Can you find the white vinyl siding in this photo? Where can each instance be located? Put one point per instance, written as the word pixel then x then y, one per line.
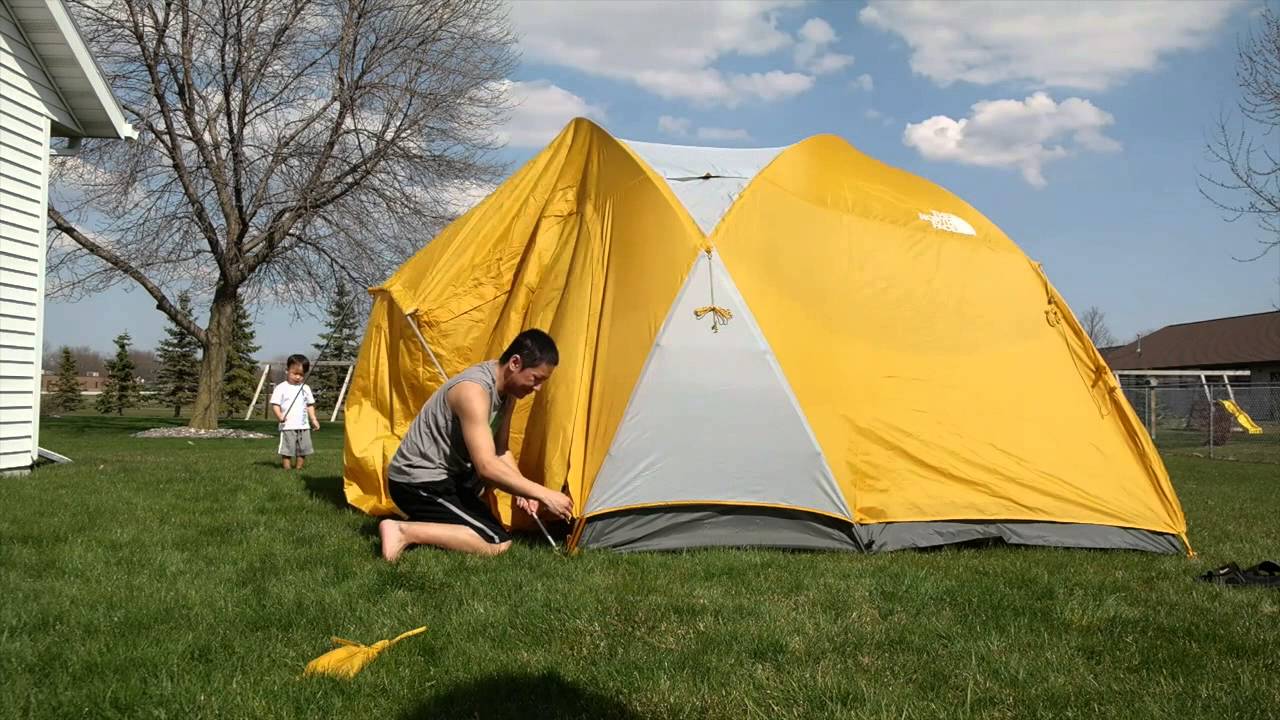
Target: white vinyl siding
pixel 22 76
pixel 28 103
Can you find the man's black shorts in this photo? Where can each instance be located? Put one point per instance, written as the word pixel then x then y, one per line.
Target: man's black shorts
pixel 433 503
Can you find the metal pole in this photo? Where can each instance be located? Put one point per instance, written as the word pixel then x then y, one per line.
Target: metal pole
pixel 1211 414
pixel 248 412
pixel 342 394
pixel 266 405
pixel 1151 409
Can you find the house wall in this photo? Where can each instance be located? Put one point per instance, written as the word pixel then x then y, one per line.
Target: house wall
pixel 88 383
pixel 1265 373
pixel 28 103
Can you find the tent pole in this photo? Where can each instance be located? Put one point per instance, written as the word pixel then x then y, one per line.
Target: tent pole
pixel 413 324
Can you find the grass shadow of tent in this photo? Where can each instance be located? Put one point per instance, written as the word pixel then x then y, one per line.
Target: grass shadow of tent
pixel 544 695
pixel 327 488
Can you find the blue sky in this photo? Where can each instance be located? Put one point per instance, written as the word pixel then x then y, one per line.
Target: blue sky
pixel 1078 128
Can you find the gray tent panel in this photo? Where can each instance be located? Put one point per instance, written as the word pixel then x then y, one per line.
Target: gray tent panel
pixel 707 181
pixel 712 419
pixel 886 537
pixel 678 528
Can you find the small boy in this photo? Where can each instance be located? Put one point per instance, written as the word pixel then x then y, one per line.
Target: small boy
pixel 294 398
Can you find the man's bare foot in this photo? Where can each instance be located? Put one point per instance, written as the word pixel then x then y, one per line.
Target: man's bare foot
pixel 392 540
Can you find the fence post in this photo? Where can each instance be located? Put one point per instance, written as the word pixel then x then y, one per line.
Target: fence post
pixel 1211 415
pixel 1151 407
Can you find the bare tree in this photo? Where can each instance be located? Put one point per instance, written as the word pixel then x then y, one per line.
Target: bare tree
pixel 1250 155
pixel 85 359
pixel 1095 325
pixel 285 146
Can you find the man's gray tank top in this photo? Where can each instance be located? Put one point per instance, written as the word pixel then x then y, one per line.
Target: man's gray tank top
pixel 433 450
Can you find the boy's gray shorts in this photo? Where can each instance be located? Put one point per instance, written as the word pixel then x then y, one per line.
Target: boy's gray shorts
pixel 295 443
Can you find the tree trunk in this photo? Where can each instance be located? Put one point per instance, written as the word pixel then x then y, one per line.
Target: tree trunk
pixel 177 410
pixel 213 363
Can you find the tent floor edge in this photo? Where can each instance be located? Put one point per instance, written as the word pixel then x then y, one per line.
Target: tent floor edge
pixel 892 536
pixel 686 527
pixel 690 527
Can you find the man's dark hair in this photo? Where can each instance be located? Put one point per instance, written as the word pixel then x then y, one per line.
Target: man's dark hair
pixel 534 348
pixel 298 360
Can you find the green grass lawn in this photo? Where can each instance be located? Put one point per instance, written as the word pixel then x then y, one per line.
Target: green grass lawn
pixel 194 579
pixel 1240 446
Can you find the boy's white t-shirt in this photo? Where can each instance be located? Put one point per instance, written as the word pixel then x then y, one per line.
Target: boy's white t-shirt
pixel 284 395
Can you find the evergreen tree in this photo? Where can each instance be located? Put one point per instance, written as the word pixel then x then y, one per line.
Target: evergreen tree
pixel 240 379
pixel 120 391
pixel 340 341
pixel 66 395
pixel 179 376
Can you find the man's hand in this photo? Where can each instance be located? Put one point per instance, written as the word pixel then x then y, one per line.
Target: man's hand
pixel 528 505
pixel 558 504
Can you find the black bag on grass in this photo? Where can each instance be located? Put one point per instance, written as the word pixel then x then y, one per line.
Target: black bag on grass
pixel 1264 574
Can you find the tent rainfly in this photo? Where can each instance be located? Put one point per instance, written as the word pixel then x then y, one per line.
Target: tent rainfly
pixel 793 347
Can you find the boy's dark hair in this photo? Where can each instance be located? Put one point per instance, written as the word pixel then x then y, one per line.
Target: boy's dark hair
pixel 296 359
pixel 534 347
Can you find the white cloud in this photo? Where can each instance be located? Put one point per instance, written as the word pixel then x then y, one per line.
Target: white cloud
pixel 669 48
pixel 830 62
pixel 460 197
pixel 1025 134
pixel 673 125
pixel 876 115
pixel 863 82
pixel 541 111
pixel 723 134
pixel 773 85
pixel 815 35
pixel 682 127
pixel 817 32
pixel 1085 45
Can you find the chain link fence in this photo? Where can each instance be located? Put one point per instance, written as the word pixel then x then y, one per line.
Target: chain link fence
pixel 1224 421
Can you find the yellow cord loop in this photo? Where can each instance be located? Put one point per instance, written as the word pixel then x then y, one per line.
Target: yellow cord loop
pixel 719 315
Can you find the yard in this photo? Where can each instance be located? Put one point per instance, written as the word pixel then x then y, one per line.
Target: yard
pixel 195 579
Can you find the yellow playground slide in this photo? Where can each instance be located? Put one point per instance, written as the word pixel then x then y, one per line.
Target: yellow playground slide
pixel 1241 417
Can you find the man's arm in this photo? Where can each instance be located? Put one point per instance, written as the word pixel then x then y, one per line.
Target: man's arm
pixel 471 403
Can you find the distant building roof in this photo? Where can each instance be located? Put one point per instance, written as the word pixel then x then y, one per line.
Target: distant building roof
pixel 1231 341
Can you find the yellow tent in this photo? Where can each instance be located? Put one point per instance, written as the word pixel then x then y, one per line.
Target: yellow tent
pixel 796 347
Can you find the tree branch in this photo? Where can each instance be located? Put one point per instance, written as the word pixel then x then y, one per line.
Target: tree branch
pixel 162 301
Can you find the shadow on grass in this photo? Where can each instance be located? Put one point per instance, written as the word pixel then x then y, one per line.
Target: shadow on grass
pixel 106 424
pixel 327 488
pixel 544 695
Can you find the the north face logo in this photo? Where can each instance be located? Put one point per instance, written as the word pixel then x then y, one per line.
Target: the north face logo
pixel 948 222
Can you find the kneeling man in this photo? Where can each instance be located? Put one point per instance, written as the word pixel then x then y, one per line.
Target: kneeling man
pixel 457 445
